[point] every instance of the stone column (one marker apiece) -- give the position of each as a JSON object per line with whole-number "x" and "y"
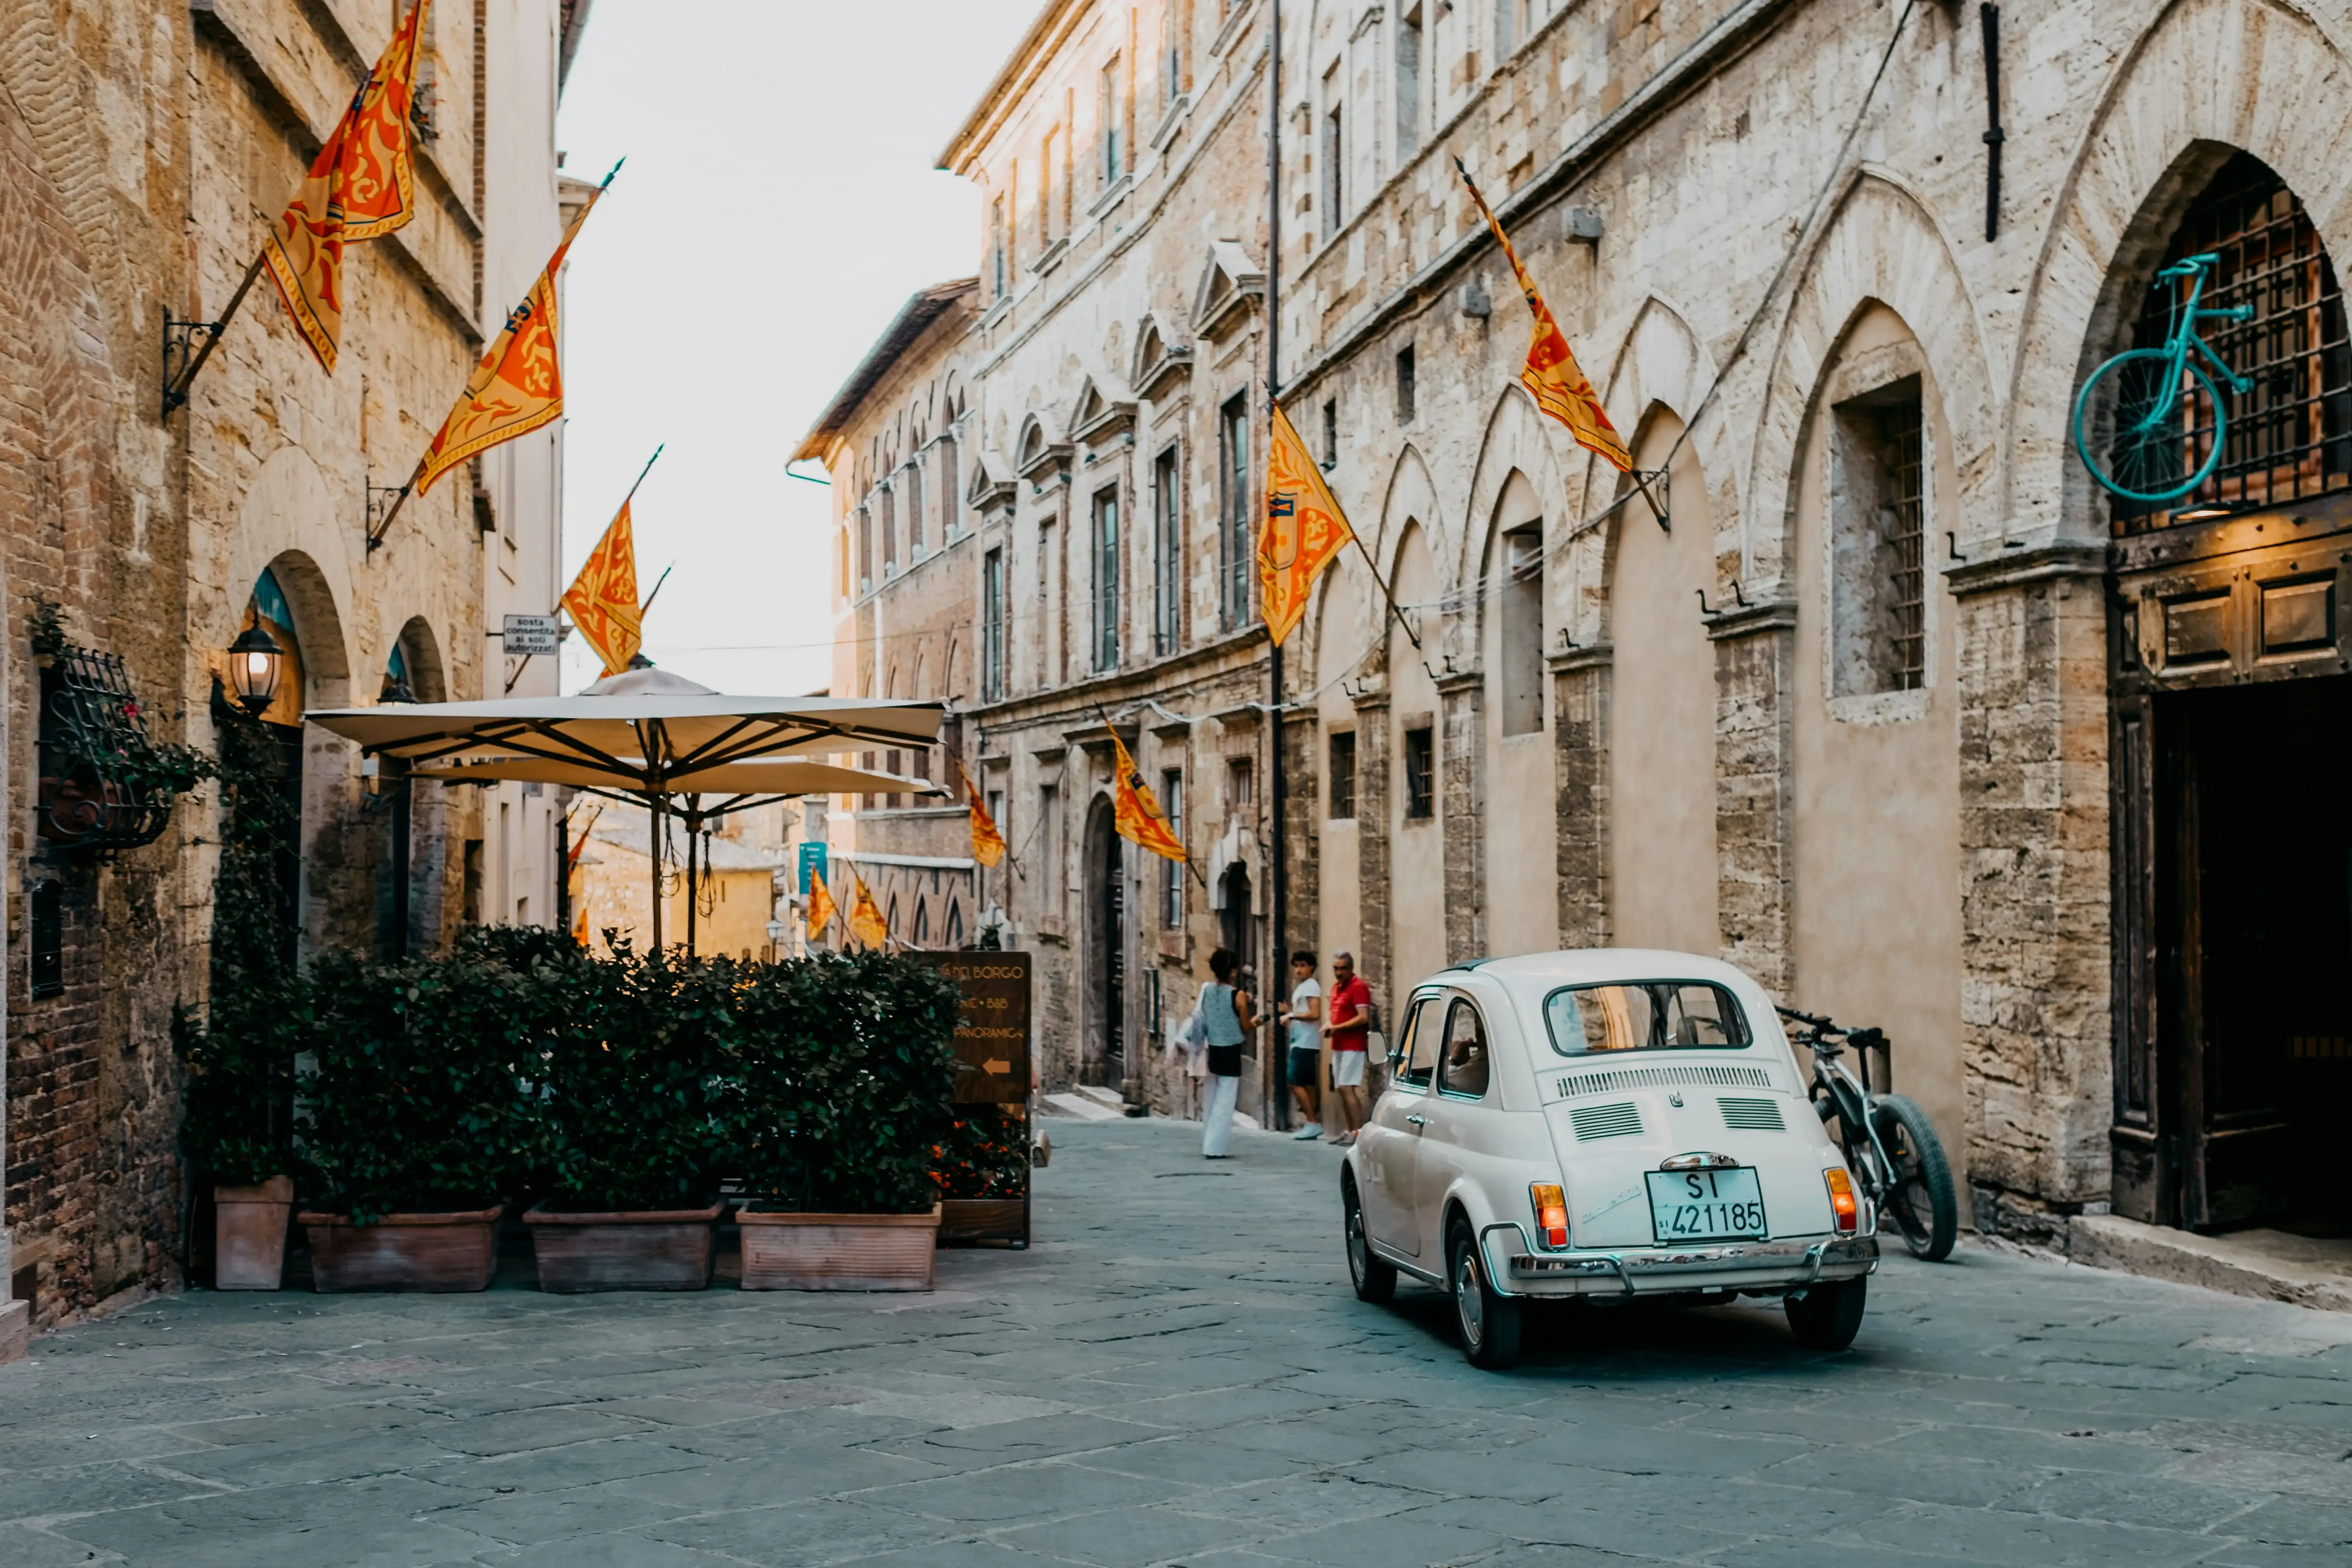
{"x": 2036, "y": 1024}
{"x": 1579, "y": 690}
{"x": 1461, "y": 795}
{"x": 1372, "y": 838}
{"x": 1755, "y": 648}
{"x": 1302, "y": 836}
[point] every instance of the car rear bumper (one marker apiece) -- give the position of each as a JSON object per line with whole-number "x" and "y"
{"x": 1662, "y": 1270}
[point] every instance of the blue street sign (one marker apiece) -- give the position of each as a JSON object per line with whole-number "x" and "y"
{"x": 813, "y": 858}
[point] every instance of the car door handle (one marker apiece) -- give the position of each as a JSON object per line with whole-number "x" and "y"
{"x": 1416, "y": 1121}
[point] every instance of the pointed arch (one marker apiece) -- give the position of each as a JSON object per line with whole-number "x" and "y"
{"x": 2264, "y": 75}
{"x": 1881, "y": 245}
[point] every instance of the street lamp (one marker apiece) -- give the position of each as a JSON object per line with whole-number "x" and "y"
{"x": 775, "y": 938}
{"x": 254, "y": 664}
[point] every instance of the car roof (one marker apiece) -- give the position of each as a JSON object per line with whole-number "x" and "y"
{"x": 1597, "y": 966}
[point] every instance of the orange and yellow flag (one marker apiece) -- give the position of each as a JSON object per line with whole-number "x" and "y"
{"x": 865, "y": 922}
{"x": 820, "y": 905}
{"x": 518, "y": 388}
{"x": 1304, "y": 528}
{"x": 362, "y": 185}
{"x": 1559, "y": 387}
{"x": 603, "y": 598}
{"x": 1136, "y": 812}
{"x": 987, "y": 841}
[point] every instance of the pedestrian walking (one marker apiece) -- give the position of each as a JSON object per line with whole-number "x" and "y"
{"x": 1228, "y": 1018}
{"x": 1348, "y": 1030}
{"x": 1303, "y": 1064}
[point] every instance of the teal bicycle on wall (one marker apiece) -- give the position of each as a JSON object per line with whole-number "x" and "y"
{"x": 2135, "y": 419}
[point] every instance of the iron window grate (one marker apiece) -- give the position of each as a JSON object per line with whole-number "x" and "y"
{"x": 1908, "y": 511}
{"x": 2289, "y": 437}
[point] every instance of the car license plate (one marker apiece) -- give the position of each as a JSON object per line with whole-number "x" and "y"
{"x": 1706, "y": 1206}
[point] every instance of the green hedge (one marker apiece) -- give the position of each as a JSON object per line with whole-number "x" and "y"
{"x": 520, "y": 1066}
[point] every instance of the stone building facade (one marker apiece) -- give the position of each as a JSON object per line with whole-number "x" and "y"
{"x": 1884, "y": 698}
{"x": 145, "y": 151}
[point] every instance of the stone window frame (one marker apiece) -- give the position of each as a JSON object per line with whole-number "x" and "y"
{"x": 1858, "y": 375}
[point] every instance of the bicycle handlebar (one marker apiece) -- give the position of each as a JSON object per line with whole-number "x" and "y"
{"x": 1863, "y": 1038}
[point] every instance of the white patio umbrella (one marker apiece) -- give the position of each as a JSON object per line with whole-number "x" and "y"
{"x": 652, "y": 736}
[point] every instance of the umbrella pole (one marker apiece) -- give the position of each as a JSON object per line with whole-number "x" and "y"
{"x": 655, "y": 858}
{"x": 693, "y": 892}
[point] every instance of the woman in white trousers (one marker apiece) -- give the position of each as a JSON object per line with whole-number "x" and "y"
{"x": 1227, "y": 1020}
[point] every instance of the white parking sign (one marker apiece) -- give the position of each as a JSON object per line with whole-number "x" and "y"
{"x": 529, "y": 634}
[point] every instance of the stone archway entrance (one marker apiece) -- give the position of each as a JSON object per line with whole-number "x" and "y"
{"x": 1105, "y": 1061}
{"x": 2230, "y": 841}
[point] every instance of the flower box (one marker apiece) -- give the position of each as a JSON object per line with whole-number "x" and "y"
{"x": 439, "y": 1252}
{"x": 838, "y": 1251}
{"x": 249, "y": 1235}
{"x": 645, "y": 1249}
{"x": 983, "y": 1219}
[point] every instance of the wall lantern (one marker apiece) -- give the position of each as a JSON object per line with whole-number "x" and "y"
{"x": 395, "y": 689}
{"x": 254, "y": 664}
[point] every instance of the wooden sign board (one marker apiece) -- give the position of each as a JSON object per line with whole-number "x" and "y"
{"x": 991, "y": 1038}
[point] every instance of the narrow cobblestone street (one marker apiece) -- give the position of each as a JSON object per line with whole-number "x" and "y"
{"x": 1178, "y": 1373}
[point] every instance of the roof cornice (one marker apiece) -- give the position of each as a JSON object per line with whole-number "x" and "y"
{"x": 919, "y": 312}
{"x": 1027, "y": 61}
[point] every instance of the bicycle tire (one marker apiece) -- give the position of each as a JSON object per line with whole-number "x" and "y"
{"x": 1922, "y": 1203}
{"x": 2141, "y": 445}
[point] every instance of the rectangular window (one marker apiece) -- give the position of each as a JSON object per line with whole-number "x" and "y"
{"x": 1420, "y": 773}
{"x": 889, "y": 530}
{"x": 1650, "y": 1016}
{"x": 865, "y": 548}
{"x": 1521, "y": 630}
{"x": 1172, "y": 872}
{"x": 1341, "y": 789}
{"x": 1049, "y": 825}
{"x": 996, "y": 814}
{"x": 1404, "y": 388}
{"x": 1045, "y": 193}
{"x": 1408, "y": 84}
{"x": 1167, "y": 553}
{"x": 996, "y": 254}
{"x": 1235, "y": 511}
{"x": 1331, "y": 432}
{"x": 915, "y": 510}
{"x": 1106, "y": 541}
{"x": 1108, "y": 114}
{"x": 48, "y": 943}
{"x": 1241, "y": 784}
{"x": 1507, "y": 28}
{"x": 949, "y": 481}
{"x": 1171, "y": 52}
{"x": 1878, "y": 524}
{"x": 992, "y": 625}
{"x": 1334, "y": 188}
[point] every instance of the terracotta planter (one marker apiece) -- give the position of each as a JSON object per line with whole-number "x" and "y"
{"x": 983, "y": 1220}
{"x": 405, "y": 1251}
{"x": 838, "y": 1251}
{"x": 249, "y": 1235}
{"x": 643, "y": 1249}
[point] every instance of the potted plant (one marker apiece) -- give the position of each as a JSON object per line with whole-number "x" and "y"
{"x": 842, "y": 1102}
{"x": 416, "y": 1113}
{"x": 627, "y": 1137}
{"x": 238, "y": 1094}
{"x": 983, "y": 1171}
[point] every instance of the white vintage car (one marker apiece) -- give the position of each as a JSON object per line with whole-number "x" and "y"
{"x": 1610, "y": 1122}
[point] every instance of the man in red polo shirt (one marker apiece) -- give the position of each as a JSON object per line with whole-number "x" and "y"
{"x": 1350, "y": 1011}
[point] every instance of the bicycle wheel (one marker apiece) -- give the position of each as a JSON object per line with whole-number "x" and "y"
{"x": 2141, "y": 428}
{"x": 1921, "y": 1202}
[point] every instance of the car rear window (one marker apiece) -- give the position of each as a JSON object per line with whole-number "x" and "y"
{"x": 1645, "y": 1016}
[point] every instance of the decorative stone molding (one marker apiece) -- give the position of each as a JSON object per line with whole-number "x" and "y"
{"x": 2027, "y": 564}
{"x": 1752, "y": 620}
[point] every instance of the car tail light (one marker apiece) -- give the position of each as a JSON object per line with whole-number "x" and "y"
{"x": 1552, "y": 1213}
{"x": 1841, "y": 1185}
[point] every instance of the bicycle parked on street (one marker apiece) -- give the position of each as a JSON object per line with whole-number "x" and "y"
{"x": 2147, "y": 445}
{"x": 1890, "y": 1145}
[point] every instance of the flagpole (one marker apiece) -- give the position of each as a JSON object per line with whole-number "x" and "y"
{"x": 377, "y": 537}
{"x": 177, "y": 393}
{"x": 1277, "y": 1106}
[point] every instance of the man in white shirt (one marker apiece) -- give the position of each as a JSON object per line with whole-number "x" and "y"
{"x": 1303, "y": 1065}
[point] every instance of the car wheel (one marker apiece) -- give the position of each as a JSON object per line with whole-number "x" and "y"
{"x": 1375, "y": 1281}
{"x": 1826, "y": 1316}
{"x": 1489, "y": 1323}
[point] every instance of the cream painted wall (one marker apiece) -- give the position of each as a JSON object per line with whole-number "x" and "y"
{"x": 1661, "y": 714}
{"x": 1344, "y": 631}
{"x": 1522, "y": 892}
{"x": 1877, "y": 913}
{"x": 1417, "y": 845}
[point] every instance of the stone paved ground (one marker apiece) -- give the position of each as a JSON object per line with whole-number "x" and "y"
{"x": 1178, "y": 1373}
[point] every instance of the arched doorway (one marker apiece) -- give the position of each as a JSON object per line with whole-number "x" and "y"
{"x": 2231, "y": 733}
{"x": 1105, "y": 1059}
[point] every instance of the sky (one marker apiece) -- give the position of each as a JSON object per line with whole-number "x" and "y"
{"x": 778, "y": 207}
